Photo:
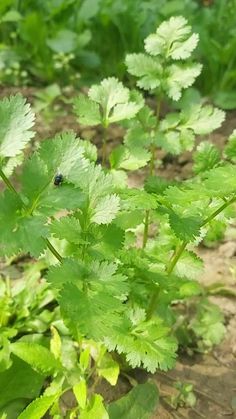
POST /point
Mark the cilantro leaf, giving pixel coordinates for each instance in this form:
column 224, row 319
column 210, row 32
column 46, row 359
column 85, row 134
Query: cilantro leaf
column 205, row 157
column 144, row 343
column 87, row 111
column 172, row 39
column 67, row 228
column 147, row 68
column 114, row 100
column 230, row 149
column 105, row 209
column 179, row 77
column 93, row 316
column 202, row 119
column 226, row 176
column 16, row 121
column 185, row 228
column 61, row 153
column 189, row 266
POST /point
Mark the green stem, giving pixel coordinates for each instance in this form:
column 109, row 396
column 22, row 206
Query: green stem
column 178, row 252
column 151, row 173
column 104, row 145
column 146, row 227
column 8, row 183
column 53, row 250
column 218, row 211
column 175, row 257
column 12, row 189
column 152, row 304
column 35, row 202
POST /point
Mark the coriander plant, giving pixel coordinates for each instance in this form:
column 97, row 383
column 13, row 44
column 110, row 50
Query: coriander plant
column 118, row 258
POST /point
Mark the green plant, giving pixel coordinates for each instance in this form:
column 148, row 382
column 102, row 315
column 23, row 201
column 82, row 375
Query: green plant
column 119, row 258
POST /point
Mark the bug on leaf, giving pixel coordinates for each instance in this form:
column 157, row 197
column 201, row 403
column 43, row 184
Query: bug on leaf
column 58, row 179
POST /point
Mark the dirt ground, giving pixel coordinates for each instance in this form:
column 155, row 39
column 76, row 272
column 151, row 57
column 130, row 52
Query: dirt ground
column 213, row 375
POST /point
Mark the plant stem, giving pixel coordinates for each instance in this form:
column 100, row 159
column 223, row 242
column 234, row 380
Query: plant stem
column 218, row 211
column 152, row 304
column 8, row 183
column 53, row 250
column 178, row 252
column 12, row 189
column 151, row 173
column 175, row 257
column 104, row 145
column 146, row 227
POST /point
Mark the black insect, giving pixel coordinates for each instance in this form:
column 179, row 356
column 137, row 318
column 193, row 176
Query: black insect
column 58, row 179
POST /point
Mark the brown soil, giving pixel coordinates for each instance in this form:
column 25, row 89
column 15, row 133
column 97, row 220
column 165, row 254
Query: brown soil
column 213, row 375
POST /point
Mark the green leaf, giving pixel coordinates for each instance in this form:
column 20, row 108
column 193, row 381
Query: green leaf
column 205, row 157
column 39, row 357
column 19, row 381
column 180, row 76
column 114, row 100
column 106, row 209
column 55, row 343
column 109, row 369
column 189, row 266
column 87, row 111
column 27, row 228
column 88, row 9
column 69, row 271
column 65, row 197
column 34, row 177
column 95, row 409
column 9, row 164
column 92, row 315
column 185, row 228
column 202, row 119
column 147, row 68
column 17, row 230
column 67, row 228
column 61, row 153
column 230, row 149
column 225, row 176
column 16, row 121
column 124, row 111
column 133, row 199
column 80, row 392
column 38, row 407
column 109, row 93
column 145, row 344
column 12, row 16
column 140, row 403
column 208, row 324
column 64, row 41
column 157, row 184
column 172, row 39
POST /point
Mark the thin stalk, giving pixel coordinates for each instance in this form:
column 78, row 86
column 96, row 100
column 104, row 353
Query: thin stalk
column 152, row 304
column 178, row 252
column 151, row 173
column 218, row 211
column 12, row 189
column 8, row 183
column 175, row 257
column 53, row 250
column 146, row 227
column 104, row 145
